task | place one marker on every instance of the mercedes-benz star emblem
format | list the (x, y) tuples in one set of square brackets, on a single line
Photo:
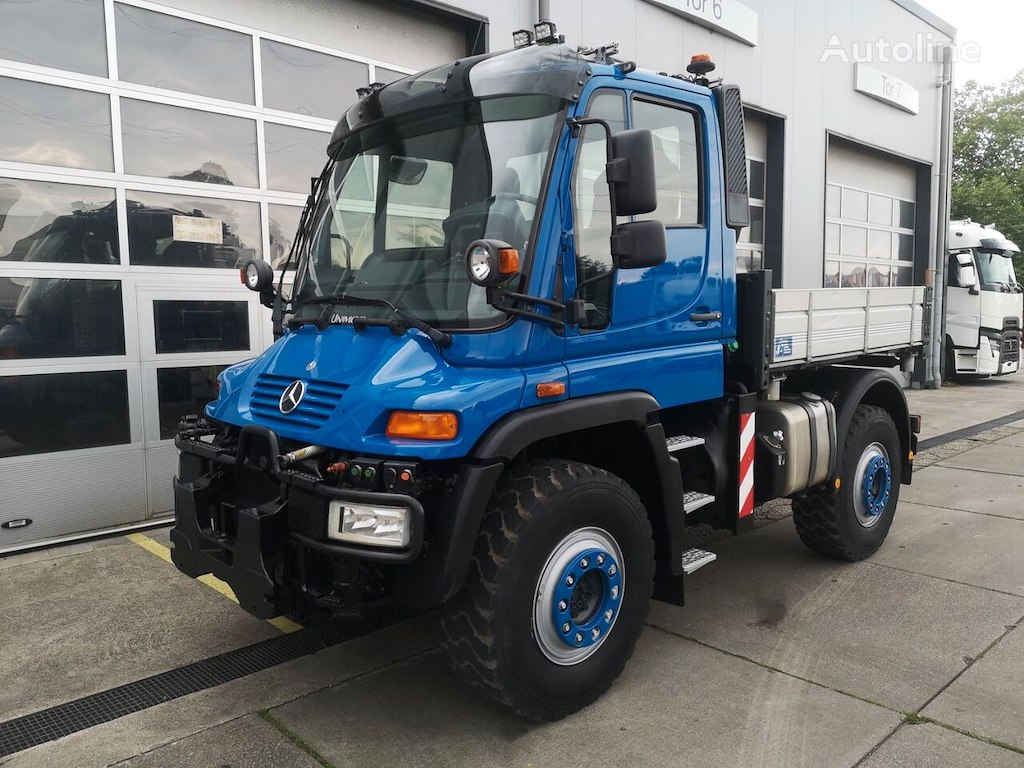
[(292, 396)]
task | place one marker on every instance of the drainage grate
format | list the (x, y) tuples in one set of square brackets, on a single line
[(976, 429), (64, 719)]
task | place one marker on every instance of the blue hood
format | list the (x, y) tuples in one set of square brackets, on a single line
[(354, 380)]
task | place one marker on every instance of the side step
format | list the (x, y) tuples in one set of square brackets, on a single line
[(682, 442), (694, 500), (694, 559)]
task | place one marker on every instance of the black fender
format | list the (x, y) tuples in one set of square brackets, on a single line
[(517, 431), (438, 575), (849, 386), (509, 436)]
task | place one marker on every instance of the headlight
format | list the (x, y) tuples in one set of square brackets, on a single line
[(368, 524)]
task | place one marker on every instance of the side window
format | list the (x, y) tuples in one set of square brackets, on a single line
[(592, 208), (676, 162), (953, 272), (419, 199), (961, 270)]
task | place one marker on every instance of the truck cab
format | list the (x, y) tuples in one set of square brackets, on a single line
[(984, 303), (517, 362)]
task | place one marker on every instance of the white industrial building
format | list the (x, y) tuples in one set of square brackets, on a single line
[(121, 119)]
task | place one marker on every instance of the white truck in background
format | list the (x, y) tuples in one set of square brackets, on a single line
[(984, 303)]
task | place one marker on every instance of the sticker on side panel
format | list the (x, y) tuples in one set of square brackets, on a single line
[(783, 347)]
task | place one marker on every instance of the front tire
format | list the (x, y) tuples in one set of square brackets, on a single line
[(851, 522), (558, 591)]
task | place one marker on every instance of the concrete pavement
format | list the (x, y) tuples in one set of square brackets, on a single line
[(780, 658)]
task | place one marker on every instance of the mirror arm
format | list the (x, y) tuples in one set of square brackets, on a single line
[(614, 168), (614, 172), (496, 298), (556, 305), (273, 300)]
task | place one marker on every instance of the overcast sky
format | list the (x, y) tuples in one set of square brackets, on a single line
[(996, 26)]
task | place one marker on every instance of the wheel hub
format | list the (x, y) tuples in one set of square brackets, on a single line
[(874, 485), (579, 596), (590, 591)]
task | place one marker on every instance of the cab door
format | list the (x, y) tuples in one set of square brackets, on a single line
[(658, 329), (963, 301)]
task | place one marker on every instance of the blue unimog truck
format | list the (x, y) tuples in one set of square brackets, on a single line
[(517, 361)]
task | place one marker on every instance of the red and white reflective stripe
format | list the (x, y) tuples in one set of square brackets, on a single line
[(746, 505)]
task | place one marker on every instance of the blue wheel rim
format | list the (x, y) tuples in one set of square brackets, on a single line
[(579, 596), (873, 485)]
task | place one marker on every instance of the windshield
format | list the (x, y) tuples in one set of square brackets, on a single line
[(996, 267), (407, 195)]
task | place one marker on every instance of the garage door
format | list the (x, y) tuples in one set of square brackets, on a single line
[(870, 210)]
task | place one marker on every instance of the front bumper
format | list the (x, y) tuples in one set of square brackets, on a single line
[(252, 523), (999, 352)]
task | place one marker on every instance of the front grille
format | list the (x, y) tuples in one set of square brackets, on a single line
[(317, 405), (1011, 349)]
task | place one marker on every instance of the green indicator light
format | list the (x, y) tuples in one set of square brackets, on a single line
[(354, 471), (369, 472)]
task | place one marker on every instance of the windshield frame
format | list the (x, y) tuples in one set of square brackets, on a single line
[(318, 205)]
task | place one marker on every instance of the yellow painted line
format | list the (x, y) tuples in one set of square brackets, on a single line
[(149, 545), (285, 624), (155, 547)]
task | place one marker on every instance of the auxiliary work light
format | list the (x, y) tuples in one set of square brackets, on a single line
[(522, 38), (488, 262), (546, 32), (257, 275)]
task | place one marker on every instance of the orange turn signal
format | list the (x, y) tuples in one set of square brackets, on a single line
[(551, 389), (508, 261), (423, 425)]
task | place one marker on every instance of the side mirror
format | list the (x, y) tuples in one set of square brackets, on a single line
[(257, 275), (631, 172), (967, 277), (734, 156), (639, 244)]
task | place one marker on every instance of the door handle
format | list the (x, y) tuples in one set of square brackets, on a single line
[(705, 317)]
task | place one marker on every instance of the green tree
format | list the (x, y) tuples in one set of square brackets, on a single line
[(988, 157)]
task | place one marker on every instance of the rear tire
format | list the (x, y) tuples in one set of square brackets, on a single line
[(851, 522), (505, 631)]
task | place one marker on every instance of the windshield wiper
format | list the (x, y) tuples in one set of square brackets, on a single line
[(439, 337)]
